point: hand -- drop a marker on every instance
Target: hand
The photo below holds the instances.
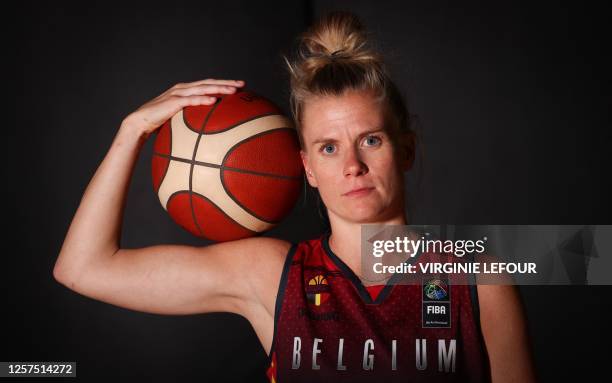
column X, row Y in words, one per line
column 154, row 113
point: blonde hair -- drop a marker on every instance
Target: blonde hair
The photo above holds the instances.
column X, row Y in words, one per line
column 334, row 56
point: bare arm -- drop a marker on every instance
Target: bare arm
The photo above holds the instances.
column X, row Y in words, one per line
column 505, row 334
column 166, row 279
column 175, row 279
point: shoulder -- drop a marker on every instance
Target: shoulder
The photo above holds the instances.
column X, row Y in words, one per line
column 249, row 263
column 500, row 305
column 505, row 332
column 268, row 249
column 270, row 259
column 502, row 318
column 253, row 250
column 260, row 261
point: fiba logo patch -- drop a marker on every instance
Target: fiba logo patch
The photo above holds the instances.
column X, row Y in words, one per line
column 436, row 290
column 436, row 303
column 317, row 290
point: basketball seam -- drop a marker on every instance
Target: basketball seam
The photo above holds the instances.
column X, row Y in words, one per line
column 192, row 166
column 221, row 173
column 227, row 168
column 161, row 181
column 249, row 138
column 188, row 125
column 241, row 205
column 215, row 205
column 176, row 193
column 241, row 122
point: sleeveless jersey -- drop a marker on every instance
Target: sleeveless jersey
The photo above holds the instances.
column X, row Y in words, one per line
column 329, row 327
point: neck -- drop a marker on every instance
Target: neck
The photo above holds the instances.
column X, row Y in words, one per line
column 345, row 240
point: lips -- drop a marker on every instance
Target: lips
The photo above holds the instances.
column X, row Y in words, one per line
column 358, row 192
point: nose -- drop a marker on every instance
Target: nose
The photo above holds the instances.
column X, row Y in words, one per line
column 353, row 164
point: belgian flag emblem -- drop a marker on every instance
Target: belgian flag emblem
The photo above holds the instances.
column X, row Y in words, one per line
column 317, row 290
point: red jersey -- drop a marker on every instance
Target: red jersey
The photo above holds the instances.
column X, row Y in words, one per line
column 329, row 327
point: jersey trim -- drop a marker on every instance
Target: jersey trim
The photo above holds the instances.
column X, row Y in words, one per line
column 356, row 282
column 475, row 304
column 280, row 295
column 473, row 288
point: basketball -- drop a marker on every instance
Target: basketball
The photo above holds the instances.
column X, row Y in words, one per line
column 229, row 170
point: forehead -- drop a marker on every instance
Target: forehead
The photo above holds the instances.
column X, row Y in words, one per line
column 352, row 112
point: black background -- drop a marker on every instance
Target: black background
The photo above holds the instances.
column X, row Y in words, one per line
column 513, row 104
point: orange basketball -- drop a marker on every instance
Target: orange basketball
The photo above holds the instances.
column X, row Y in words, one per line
column 229, row 170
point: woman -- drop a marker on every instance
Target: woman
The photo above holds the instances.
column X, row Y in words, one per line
column 316, row 320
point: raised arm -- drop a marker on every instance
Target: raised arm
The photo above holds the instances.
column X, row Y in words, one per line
column 166, row 279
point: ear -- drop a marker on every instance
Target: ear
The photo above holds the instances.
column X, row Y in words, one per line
column 408, row 148
column 309, row 176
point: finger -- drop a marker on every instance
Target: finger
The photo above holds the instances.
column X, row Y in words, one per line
column 203, row 90
column 194, row 100
column 211, row 81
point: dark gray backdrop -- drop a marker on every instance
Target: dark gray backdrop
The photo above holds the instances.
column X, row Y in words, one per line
column 513, row 102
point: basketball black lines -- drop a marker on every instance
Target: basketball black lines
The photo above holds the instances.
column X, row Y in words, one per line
column 229, row 152
column 192, row 166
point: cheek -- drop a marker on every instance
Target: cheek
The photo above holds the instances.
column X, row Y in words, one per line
column 387, row 171
column 384, row 162
column 327, row 177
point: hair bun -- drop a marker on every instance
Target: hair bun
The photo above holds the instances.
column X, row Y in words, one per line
column 334, row 56
column 336, row 36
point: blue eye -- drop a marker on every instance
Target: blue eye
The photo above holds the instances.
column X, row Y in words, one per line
column 372, row 141
column 329, row 148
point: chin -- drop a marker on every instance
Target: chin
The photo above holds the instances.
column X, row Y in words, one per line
column 365, row 214
column 372, row 211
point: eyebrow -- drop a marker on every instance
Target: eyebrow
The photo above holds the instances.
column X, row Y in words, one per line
column 325, row 140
